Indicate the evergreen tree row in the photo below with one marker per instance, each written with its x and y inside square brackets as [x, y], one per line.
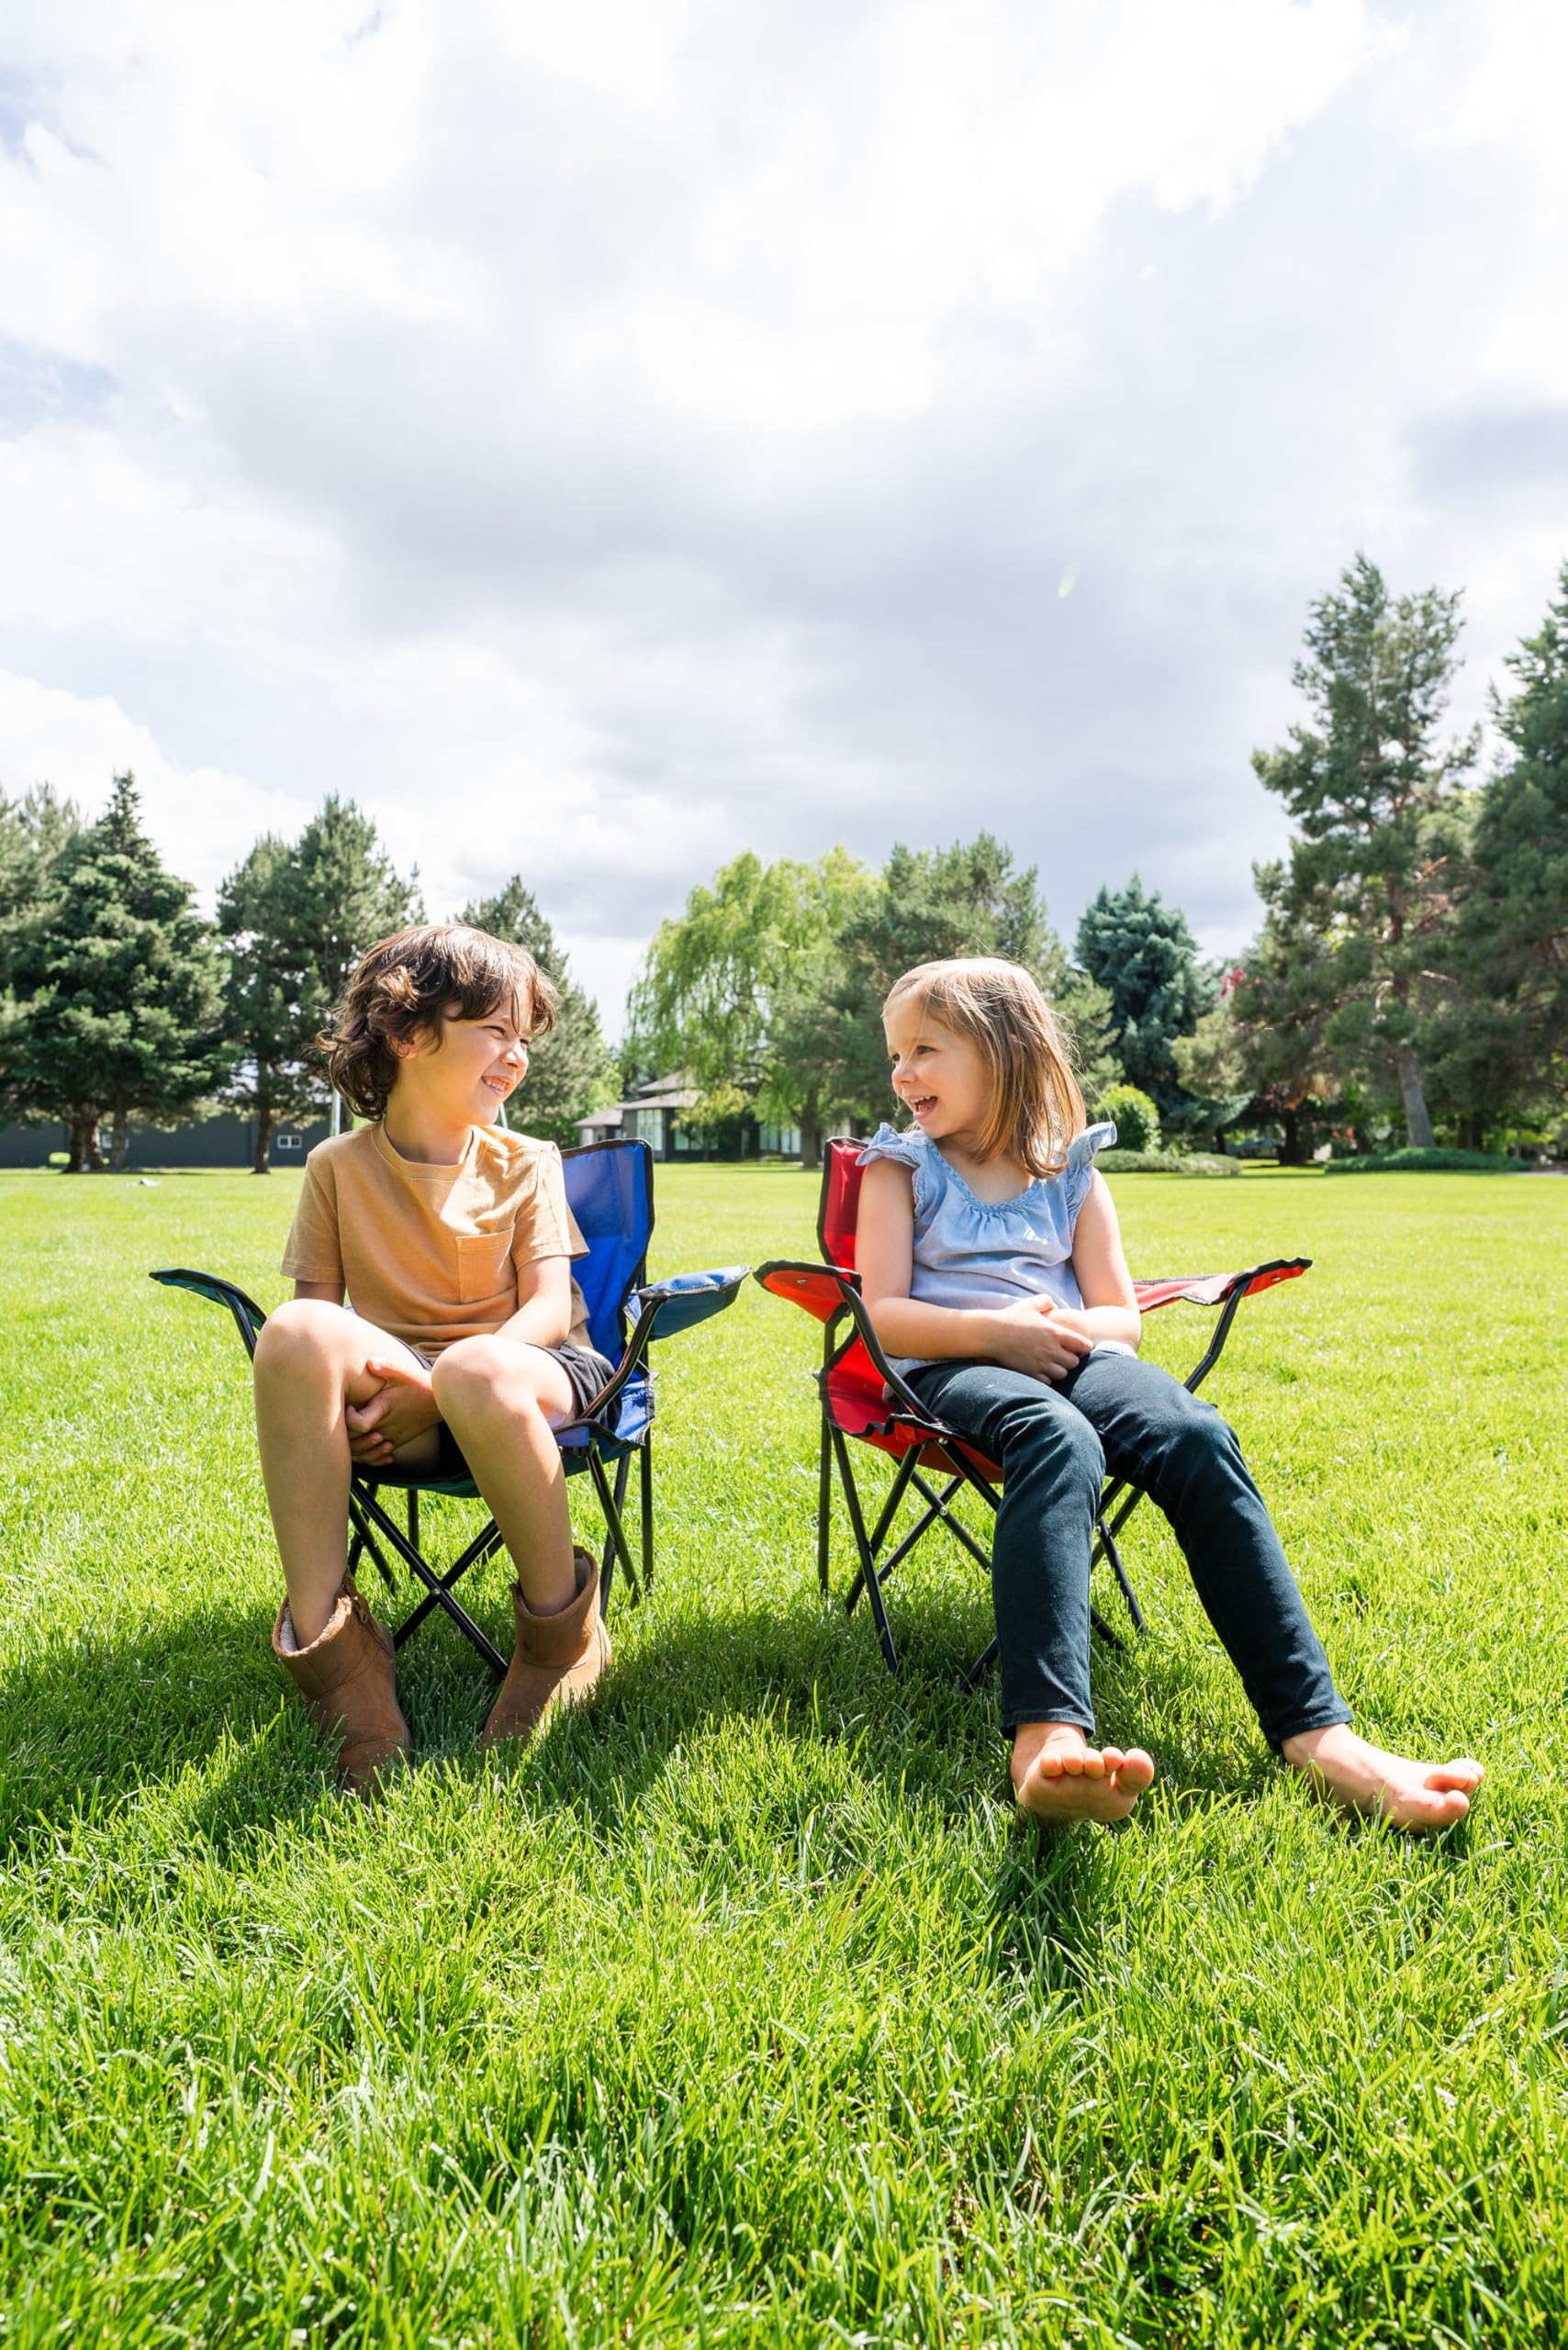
[119, 1005]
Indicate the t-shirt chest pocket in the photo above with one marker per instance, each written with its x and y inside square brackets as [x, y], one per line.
[483, 1265]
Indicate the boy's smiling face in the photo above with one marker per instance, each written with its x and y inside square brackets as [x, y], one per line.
[465, 1069]
[940, 1078]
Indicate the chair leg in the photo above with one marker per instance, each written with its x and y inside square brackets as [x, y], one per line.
[645, 1507]
[1128, 1593]
[824, 1501]
[868, 1564]
[878, 1535]
[367, 1513]
[484, 1546]
[611, 1503]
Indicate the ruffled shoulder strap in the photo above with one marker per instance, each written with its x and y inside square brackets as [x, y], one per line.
[1079, 1173]
[911, 1150]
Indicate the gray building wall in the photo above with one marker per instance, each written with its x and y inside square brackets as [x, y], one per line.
[225, 1141]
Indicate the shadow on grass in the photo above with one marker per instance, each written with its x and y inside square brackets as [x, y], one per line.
[89, 1722]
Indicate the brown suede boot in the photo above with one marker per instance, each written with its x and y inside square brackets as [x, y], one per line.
[556, 1659]
[345, 1678]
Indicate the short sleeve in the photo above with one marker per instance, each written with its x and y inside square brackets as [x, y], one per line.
[906, 1151]
[1082, 1153]
[546, 1226]
[314, 1252]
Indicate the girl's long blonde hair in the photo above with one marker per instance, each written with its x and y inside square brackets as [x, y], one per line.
[1036, 1107]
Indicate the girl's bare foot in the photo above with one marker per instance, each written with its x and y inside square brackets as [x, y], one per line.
[1057, 1776]
[1412, 1795]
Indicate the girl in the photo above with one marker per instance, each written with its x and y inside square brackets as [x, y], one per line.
[992, 1269]
[467, 1345]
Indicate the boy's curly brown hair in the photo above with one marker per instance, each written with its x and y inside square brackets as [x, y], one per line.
[405, 984]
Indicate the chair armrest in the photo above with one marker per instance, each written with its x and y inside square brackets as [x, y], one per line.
[248, 1316]
[1213, 1289]
[826, 1292]
[821, 1290]
[659, 1311]
[686, 1299]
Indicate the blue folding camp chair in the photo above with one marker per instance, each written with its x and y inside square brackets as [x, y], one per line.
[610, 1188]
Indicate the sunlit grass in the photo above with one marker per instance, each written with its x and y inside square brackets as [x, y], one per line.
[740, 2010]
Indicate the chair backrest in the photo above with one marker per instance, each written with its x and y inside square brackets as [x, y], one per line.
[840, 1203]
[610, 1190]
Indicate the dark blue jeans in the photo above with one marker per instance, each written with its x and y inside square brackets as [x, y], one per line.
[1054, 1444]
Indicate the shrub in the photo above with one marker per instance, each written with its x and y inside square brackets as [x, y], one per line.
[1135, 1117]
[1434, 1162]
[1156, 1162]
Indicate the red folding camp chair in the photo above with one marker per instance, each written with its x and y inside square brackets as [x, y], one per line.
[864, 1398]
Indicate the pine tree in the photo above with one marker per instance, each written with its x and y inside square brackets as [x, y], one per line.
[1373, 873]
[117, 991]
[571, 1070]
[1504, 1046]
[1142, 952]
[36, 833]
[342, 894]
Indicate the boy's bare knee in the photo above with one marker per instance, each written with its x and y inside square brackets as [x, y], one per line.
[478, 1372]
[305, 1326]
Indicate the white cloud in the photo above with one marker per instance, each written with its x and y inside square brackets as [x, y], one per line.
[601, 440]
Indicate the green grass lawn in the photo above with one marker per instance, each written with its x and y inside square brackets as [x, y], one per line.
[740, 2010]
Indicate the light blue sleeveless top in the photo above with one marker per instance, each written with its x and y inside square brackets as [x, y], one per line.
[969, 1251]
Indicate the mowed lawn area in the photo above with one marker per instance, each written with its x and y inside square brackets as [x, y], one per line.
[740, 2008]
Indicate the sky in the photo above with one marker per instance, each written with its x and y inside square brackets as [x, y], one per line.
[601, 440]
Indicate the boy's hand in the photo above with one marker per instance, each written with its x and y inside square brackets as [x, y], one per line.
[402, 1407]
[1033, 1337]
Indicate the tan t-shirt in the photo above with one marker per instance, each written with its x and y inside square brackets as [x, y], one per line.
[430, 1254]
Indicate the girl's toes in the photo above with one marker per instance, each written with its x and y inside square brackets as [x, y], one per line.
[1048, 1766]
[1464, 1773]
[1136, 1771]
[1093, 1765]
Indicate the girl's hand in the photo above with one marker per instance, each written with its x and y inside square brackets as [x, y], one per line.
[1031, 1337]
[402, 1407]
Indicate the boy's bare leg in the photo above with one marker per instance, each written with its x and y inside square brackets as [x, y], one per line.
[1364, 1778]
[310, 1365]
[1057, 1776]
[503, 1401]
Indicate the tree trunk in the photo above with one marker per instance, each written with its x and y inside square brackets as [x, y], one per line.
[86, 1149]
[811, 1134]
[119, 1141]
[1289, 1149]
[263, 1165]
[1417, 1122]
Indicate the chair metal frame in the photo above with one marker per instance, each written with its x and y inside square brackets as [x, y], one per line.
[865, 1399]
[641, 1313]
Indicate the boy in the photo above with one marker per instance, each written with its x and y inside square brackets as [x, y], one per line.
[468, 1342]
